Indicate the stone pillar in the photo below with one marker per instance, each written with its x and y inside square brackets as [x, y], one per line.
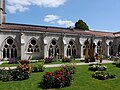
[100, 54]
[65, 50]
[1, 10]
[108, 50]
[95, 50]
[46, 50]
[81, 51]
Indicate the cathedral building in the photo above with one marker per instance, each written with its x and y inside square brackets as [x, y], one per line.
[23, 41]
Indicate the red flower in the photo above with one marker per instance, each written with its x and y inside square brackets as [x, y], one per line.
[58, 75]
[68, 73]
[57, 71]
[63, 79]
[49, 73]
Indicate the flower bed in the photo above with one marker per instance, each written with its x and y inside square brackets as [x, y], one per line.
[58, 79]
[22, 72]
[38, 68]
[97, 67]
[102, 75]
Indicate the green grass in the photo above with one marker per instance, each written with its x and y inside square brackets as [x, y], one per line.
[11, 65]
[82, 80]
[8, 65]
[32, 64]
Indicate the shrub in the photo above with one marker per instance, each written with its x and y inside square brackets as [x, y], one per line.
[60, 78]
[102, 75]
[48, 80]
[97, 67]
[12, 60]
[66, 59]
[22, 72]
[38, 68]
[69, 67]
[5, 75]
[118, 64]
[24, 62]
[48, 60]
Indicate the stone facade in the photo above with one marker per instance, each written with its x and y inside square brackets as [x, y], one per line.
[21, 41]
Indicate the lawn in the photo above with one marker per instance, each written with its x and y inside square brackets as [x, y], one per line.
[40, 62]
[82, 80]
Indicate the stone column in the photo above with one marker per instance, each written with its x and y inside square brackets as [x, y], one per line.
[100, 54]
[95, 50]
[65, 50]
[86, 54]
[81, 51]
[108, 50]
[46, 50]
[1, 10]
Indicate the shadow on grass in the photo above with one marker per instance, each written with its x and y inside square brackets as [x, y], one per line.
[40, 85]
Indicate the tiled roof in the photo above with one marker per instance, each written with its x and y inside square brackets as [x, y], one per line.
[14, 26]
[117, 34]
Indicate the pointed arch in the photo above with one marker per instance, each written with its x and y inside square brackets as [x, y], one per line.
[9, 48]
[32, 46]
[71, 48]
[54, 48]
[99, 43]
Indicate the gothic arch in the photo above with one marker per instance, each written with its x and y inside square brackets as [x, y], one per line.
[71, 48]
[32, 46]
[54, 48]
[9, 48]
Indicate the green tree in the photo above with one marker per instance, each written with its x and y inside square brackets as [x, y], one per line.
[80, 24]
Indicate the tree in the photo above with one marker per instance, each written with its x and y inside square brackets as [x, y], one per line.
[80, 24]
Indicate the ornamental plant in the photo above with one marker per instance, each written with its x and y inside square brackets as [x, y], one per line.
[5, 75]
[12, 60]
[38, 68]
[66, 59]
[58, 79]
[48, 60]
[97, 67]
[69, 67]
[117, 64]
[48, 80]
[24, 61]
[22, 72]
[102, 75]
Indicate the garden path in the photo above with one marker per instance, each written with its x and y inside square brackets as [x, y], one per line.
[58, 65]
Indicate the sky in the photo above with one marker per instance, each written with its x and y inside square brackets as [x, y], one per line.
[100, 15]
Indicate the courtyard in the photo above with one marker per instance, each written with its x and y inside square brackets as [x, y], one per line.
[82, 79]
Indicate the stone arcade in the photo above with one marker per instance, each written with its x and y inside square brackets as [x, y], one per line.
[22, 41]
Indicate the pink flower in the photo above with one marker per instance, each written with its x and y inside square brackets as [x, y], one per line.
[68, 73]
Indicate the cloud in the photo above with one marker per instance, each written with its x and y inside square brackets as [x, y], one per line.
[22, 5]
[65, 23]
[54, 19]
[51, 18]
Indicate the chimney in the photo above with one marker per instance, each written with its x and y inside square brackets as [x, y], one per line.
[4, 11]
[1, 11]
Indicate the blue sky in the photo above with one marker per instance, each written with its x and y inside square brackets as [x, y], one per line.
[101, 15]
